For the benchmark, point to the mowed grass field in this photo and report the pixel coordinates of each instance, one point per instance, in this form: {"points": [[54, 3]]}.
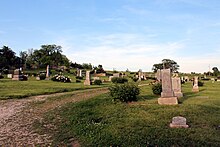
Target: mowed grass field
{"points": [[101, 122], [21, 89]]}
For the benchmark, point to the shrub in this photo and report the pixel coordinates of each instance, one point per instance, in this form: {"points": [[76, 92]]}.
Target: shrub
{"points": [[124, 92], [80, 78], [200, 83], [24, 78], [61, 78], [78, 81], [134, 79], [1, 76], [119, 80], [157, 88], [42, 76], [97, 82]]}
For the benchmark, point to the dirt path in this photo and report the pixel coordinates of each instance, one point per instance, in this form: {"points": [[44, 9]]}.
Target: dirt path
{"points": [[17, 116]]}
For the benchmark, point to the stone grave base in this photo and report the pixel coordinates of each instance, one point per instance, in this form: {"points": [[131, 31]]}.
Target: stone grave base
{"points": [[17, 78], [178, 126], [87, 82], [195, 90], [178, 94], [168, 101]]}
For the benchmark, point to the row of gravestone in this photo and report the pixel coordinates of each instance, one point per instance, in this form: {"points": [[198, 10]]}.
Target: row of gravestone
{"points": [[171, 87]]}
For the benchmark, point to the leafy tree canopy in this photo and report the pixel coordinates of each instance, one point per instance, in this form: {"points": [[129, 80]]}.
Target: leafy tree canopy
{"points": [[166, 63]]}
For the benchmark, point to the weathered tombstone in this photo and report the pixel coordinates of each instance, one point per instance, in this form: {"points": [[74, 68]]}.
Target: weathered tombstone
{"points": [[9, 76], [96, 78], [178, 122], [213, 80], [195, 84], [167, 94], [139, 76], [48, 71], [110, 78], [80, 73], [176, 85], [17, 75], [159, 75], [116, 74], [88, 78]]}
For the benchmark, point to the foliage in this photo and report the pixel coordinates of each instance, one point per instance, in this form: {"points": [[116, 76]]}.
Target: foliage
{"points": [[119, 80], [134, 79], [124, 92], [24, 78], [87, 66], [97, 82], [166, 63], [200, 83], [78, 77], [1, 76], [42, 76], [8, 58], [215, 71], [157, 88], [61, 78], [99, 69]]}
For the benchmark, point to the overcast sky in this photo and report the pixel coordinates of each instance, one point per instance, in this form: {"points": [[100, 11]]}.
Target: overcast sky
{"points": [[119, 34]]}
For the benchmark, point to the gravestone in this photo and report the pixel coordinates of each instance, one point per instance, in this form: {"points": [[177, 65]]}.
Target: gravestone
{"points": [[176, 85], [159, 75], [139, 76], [9, 76], [116, 74], [110, 78], [167, 94], [48, 71], [195, 84], [17, 75], [178, 122], [88, 78]]}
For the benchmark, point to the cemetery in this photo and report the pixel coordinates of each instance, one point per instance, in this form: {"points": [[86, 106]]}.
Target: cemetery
{"points": [[182, 113]]}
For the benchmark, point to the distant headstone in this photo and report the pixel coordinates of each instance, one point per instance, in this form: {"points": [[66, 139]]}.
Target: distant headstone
{"points": [[9, 76], [178, 122], [116, 74], [88, 78], [48, 71], [110, 78], [139, 76], [195, 84], [80, 73], [159, 75], [96, 78], [167, 94], [17, 75], [176, 85]]}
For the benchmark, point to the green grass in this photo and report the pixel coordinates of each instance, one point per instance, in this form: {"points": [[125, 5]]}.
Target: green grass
{"points": [[20, 89], [101, 122]]}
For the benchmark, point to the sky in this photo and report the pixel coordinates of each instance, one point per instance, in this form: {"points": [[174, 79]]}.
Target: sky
{"points": [[118, 34]]}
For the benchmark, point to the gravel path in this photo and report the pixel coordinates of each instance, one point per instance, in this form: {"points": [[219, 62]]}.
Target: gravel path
{"points": [[17, 116]]}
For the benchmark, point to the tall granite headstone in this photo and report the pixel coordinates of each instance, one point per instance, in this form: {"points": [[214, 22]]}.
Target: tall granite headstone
{"points": [[167, 94], [159, 75], [195, 84], [88, 78], [176, 85], [48, 71]]}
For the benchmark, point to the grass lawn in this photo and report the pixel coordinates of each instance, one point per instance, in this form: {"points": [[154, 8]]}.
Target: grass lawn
{"points": [[101, 122], [21, 89]]}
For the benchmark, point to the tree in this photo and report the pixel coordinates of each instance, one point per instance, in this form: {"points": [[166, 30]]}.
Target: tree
{"points": [[23, 56], [166, 63], [87, 66], [7, 57], [215, 71]]}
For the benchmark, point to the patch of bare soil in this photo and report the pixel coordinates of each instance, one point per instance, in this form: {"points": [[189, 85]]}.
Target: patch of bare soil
{"points": [[17, 117]]}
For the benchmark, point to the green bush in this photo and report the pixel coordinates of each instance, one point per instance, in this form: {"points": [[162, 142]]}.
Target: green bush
{"points": [[1, 76], [157, 88], [134, 79], [119, 80], [124, 92], [97, 82], [200, 83], [80, 78]]}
